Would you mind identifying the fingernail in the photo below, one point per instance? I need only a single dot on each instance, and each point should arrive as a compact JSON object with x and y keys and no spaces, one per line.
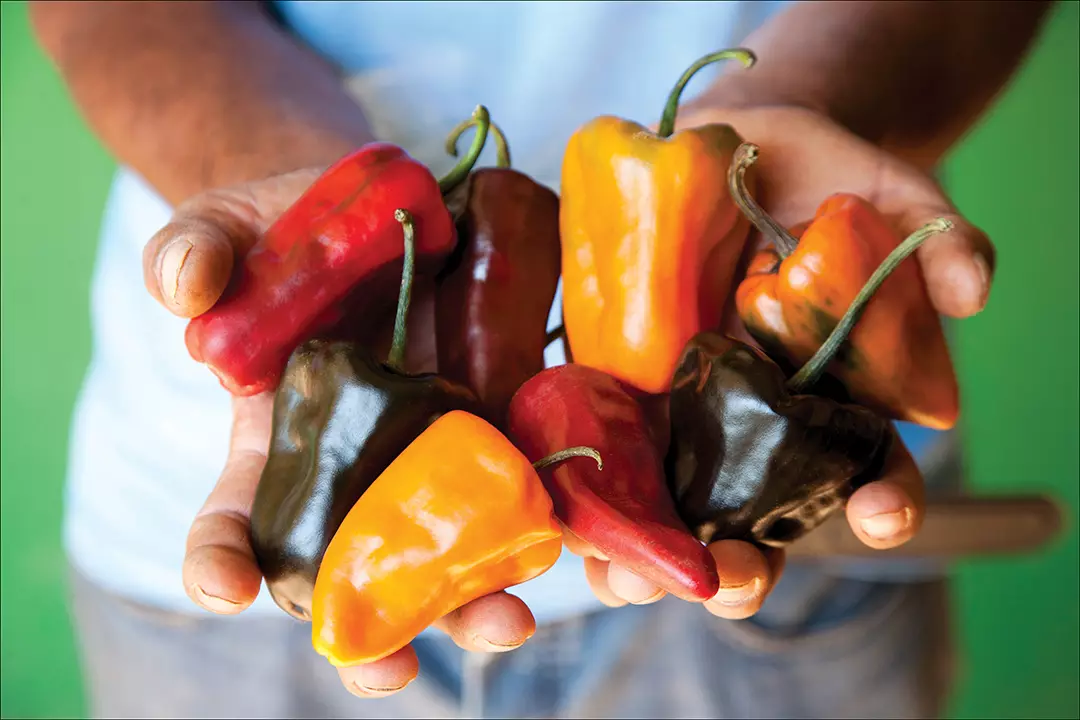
{"x":173,"y":258}
{"x":733,"y":595}
{"x":213,"y":602}
{"x":651,"y":599}
{"x":885,"y":526}
{"x":485,"y":644}
{"x":378,"y":691}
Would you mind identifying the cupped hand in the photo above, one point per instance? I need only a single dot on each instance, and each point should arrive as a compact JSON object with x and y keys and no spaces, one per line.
{"x":804,"y":157}
{"x":187,"y":266}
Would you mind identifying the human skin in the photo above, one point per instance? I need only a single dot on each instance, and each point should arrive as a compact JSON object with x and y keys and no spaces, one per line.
{"x":230,"y":120}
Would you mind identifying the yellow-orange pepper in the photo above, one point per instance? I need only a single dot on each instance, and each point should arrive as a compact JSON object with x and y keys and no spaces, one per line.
{"x":896,"y":360}
{"x":459,"y":514}
{"x":650,"y":239}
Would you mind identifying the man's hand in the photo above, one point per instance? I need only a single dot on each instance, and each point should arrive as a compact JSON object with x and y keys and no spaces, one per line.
{"x":804,"y":158}
{"x":186,"y":267}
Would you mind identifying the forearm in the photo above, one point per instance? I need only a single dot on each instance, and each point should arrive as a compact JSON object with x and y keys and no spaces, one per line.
{"x":198,"y":94}
{"x":909,"y":76}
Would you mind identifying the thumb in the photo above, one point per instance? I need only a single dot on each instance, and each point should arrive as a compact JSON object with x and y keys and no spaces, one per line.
{"x":958,"y":265}
{"x":188,"y":263}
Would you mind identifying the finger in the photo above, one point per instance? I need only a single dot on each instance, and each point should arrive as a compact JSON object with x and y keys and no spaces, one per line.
{"x":494,"y":623}
{"x":596,"y":574}
{"x":220,"y":571}
{"x":188,"y":263}
{"x":958,"y":265}
{"x":627,"y":586}
{"x":746,"y":577}
{"x":888,"y":512}
{"x":382,"y":677}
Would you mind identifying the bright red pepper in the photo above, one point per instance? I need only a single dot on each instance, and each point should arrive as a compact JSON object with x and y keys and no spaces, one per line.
{"x":624,"y":510}
{"x":319,"y":260}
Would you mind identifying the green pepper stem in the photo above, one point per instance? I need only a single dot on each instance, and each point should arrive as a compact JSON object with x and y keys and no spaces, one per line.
{"x":396,"y":359}
{"x":812,"y":371}
{"x":571,"y":452}
{"x":459,"y":172}
{"x":502,"y":149}
{"x":554,"y":335}
{"x":671,"y":108}
{"x":745,"y":156}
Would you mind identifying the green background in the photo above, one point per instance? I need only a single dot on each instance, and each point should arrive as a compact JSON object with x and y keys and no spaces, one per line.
{"x":1016,"y":176}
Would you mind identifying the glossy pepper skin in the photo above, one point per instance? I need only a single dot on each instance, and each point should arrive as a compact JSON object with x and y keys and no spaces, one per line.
{"x":458,"y":515}
{"x":624,"y":510}
{"x":341,"y":417}
{"x":748,"y":460}
{"x":493,"y":299}
{"x":312,"y":266}
{"x":896,"y":360}
{"x":650,"y":239}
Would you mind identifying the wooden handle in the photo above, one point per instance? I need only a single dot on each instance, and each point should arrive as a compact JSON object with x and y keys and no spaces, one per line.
{"x":954,"y":527}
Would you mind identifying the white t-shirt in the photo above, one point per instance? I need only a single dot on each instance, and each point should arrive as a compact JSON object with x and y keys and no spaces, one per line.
{"x":151,"y":427}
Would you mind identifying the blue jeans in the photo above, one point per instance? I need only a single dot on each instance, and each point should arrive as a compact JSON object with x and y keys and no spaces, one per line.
{"x":821,"y":647}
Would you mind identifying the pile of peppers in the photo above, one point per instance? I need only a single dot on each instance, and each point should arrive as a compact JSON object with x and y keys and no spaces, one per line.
{"x":390,"y":498}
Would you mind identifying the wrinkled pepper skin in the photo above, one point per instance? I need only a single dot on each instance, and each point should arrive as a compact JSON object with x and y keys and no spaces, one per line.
{"x":340,"y":418}
{"x":624,"y":510}
{"x":650,"y":243}
{"x":458,"y":515}
{"x":748,"y":461}
{"x":493,"y":300}
{"x":311,"y":266}
{"x":896,"y":360}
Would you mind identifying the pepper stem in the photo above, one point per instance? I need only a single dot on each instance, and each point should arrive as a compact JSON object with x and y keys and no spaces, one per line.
{"x":745,"y":156}
{"x":671,"y":108}
{"x":460,"y":171}
{"x":554,"y":335}
{"x":812,"y":371}
{"x":502,"y":149}
{"x":396,"y":359}
{"x":571,"y":452}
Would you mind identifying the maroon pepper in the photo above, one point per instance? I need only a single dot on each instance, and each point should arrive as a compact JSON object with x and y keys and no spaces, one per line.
{"x":624,"y":510}
{"x":493,"y":298}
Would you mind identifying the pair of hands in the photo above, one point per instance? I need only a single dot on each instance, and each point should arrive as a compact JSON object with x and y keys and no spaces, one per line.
{"x":804,"y":158}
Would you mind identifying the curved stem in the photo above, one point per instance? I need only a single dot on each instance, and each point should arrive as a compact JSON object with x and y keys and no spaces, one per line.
{"x":396,"y":359}
{"x":554,"y":335}
{"x":745,"y":156}
{"x":502,"y":149}
{"x":815,"y":366}
{"x":459,"y":172}
{"x":572,"y":452}
{"x":671,"y":108}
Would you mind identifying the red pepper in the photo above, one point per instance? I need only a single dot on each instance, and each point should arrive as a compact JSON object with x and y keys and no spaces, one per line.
{"x":317,"y":263}
{"x":624,"y":510}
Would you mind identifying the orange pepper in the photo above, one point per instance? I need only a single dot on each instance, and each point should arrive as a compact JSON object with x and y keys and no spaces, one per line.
{"x":459,"y":514}
{"x":896,"y":360}
{"x":650,"y":239}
